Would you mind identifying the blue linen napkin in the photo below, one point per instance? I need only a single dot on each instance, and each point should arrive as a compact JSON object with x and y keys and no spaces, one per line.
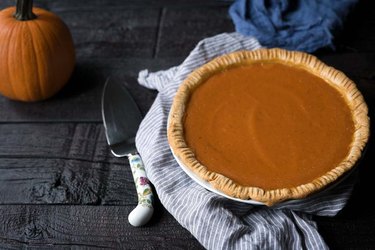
{"x":305,"y":25}
{"x":216,"y":222}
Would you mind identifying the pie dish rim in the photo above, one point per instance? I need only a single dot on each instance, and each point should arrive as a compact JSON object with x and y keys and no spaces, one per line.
{"x":332,"y":76}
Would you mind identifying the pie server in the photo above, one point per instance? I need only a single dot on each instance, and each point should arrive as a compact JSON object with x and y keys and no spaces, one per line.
{"x":121,"y":118}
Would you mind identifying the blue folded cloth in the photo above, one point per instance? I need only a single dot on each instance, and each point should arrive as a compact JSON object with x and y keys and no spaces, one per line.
{"x":305,"y":25}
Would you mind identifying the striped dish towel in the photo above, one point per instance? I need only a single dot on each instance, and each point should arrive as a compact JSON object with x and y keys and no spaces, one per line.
{"x":219,"y":223}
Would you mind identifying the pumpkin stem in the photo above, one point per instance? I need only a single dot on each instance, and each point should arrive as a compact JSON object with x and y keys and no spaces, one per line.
{"x":24,"y":10}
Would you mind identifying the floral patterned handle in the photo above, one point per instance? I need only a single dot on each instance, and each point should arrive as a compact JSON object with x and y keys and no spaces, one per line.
{"x":144,"y":210}
{"x":142,"y":184}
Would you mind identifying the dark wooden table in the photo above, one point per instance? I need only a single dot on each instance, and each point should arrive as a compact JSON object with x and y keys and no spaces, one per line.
{"x":59,"y":183}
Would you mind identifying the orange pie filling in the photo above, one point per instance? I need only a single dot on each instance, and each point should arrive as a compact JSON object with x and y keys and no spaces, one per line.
{"x":268,"y":125}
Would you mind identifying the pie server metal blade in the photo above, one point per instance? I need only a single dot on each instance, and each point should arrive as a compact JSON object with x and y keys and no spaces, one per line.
{"x":121,"y":118}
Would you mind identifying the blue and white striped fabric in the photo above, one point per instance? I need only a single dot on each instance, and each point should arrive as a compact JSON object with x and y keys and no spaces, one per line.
{"x":217,"y":222}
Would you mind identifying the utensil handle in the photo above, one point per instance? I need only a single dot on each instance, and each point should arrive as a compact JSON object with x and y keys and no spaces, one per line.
{"x":143,"y":212}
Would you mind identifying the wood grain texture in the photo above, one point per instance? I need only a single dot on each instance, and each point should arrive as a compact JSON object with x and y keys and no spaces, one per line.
{"x":61,"y":164}
{"x":118,"y":32}
{"x":61,"y":181}
{"x":68,"y":141}
{"x":193,"y":25}
{"x":60,"y":187}
{"x":88,"y":226}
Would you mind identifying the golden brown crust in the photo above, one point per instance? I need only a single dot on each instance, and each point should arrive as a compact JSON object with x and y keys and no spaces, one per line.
{"x":308,"y":62}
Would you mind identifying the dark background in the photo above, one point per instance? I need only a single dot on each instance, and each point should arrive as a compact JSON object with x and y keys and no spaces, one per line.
{"x":59,"y":183}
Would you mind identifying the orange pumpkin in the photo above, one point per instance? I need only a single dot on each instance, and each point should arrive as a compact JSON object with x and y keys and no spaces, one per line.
{"x":36,"y":52}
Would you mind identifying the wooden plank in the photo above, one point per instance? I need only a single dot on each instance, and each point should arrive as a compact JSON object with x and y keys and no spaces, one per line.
{"x":9,"y":3}
{"x":63,"y":181}
{"x":83,"y":141}
{"x":117,"y":33}
{"x":90,"y":227}
{"x":193,"y":25}
{"x":110,"y":4}
{"x":61,"y":163}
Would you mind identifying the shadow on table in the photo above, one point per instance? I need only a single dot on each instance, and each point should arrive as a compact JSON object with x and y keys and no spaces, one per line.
{"x":83,"y":79}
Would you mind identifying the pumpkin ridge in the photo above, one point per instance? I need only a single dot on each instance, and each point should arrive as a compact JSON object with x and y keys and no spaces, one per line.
{"x":45,"y":40}
{"x":55,"y":36}
{"x":20,"y":40}
{"x":8,"y":59}
{"x":51,"y":30}
{"x":40,"y":63}
{"x":46,"y":18}
{"x":54,"y":27}
{"x":31,"y":94}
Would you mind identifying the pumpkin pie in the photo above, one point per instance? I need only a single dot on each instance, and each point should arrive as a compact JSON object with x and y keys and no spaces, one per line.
{"x":268,"y":125}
